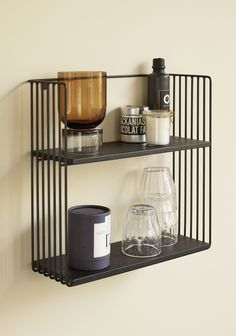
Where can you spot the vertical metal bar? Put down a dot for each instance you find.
(173, 167)
(37, 178)
(65, 182)
(204, 162)
(186, 107)
(210, 159)
(180, 120)
(197, 186)
(32, 170)
(54, 180)
(191, 161)
(59, 181)
(179, 206)
(180, 105)
(185, 155)
(43, 182)
(48, 181)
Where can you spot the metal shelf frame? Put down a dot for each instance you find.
(191, 99)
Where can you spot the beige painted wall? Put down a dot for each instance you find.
(188, 296)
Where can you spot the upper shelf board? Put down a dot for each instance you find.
(120, 150)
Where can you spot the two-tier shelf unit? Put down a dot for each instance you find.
(190, 145)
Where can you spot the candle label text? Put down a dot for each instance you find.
(102, 238)
(132, 125)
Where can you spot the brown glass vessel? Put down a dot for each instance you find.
(86, 98)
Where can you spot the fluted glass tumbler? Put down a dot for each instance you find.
(158, 190)
(86, 98)
(141, 232)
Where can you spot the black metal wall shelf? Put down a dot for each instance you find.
(191, 97)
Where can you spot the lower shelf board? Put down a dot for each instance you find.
(119, 262)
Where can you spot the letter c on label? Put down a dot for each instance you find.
(166, 99)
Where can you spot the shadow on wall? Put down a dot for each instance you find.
(14, 186)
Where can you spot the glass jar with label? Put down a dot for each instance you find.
(132, 124)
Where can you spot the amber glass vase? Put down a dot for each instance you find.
(86, 98)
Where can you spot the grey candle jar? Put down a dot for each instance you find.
(89, 237)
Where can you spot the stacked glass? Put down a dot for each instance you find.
(141, 233)
(158, 190)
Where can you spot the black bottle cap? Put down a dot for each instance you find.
(158, 63)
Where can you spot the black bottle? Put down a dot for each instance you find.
(158, 86)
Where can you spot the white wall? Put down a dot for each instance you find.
(187, 296)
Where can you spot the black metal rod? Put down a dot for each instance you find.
(186, 108)
(198, 114)
(197, 196)
(191, 160)
(210, 160)
(54, 179)
(179, 184)
(204, 163)
(32, 170)
(48, 182)
(179, 199)
(37, 177)
(191, 194)
(174, 90)
(43, 181)
(185, 190)
(191, 107)
(126, 76)
(53, 80)
(180, 105)
(204, 110)
(185, 155)
(58, 80)
(59, 182)
(65, 182)
(197, 186)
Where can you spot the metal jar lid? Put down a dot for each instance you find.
(133, 109)
(158, 113)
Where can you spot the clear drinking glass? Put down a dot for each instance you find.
(141, 232)
(158, 190)
(83, 141)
